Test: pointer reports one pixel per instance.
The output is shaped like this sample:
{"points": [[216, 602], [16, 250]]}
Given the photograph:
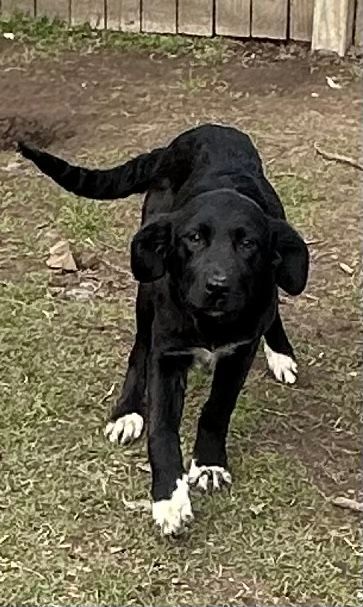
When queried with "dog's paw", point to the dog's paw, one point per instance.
{"points": [[205, 477], [282, 366], [174, 514], [125, 429]]}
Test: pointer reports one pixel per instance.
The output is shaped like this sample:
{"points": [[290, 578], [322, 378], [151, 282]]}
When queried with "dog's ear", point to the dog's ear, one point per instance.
{"points": [[290, 257], [149, 250]]}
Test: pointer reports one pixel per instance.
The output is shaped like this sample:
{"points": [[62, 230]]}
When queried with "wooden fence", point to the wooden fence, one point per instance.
{"points": [[327, 24]]}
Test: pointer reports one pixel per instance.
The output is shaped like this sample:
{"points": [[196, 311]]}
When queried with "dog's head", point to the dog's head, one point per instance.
{"points": [[220, 251]]}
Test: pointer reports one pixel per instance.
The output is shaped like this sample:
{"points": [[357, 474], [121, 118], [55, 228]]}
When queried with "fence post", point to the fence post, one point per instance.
{"points": [[358, 34], [333, 25]]}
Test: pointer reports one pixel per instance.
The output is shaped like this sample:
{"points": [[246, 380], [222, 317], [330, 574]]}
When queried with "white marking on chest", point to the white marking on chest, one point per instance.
{"points": [[209, 358]]}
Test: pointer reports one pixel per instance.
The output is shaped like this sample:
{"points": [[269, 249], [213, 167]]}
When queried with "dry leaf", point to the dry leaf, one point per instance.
{"points": [[86, 290], [346, 502], [347, 269], [144, 467], [137, 505], [61, 258], [117, 549], [12, 166], [331, 82], [257, 508]]}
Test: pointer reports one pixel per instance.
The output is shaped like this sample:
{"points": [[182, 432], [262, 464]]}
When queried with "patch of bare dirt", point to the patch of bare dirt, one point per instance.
{"points": [[39, 131]]}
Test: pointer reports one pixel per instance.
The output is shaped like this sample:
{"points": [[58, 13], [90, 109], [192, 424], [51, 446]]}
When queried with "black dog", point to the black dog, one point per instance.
{"points": [[213, 248]]}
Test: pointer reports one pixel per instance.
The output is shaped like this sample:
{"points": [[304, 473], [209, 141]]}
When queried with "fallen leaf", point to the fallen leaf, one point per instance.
{"points": [[144, 467], [12, 166], [117, 549], [257, 508], [85, 291], [347, 269], [61, 258], [346, 502], [331, 82], [137, 505]]}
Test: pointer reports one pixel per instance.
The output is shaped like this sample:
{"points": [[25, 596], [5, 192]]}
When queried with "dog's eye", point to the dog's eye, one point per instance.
{"points": [[245, 243], [195, 238]]}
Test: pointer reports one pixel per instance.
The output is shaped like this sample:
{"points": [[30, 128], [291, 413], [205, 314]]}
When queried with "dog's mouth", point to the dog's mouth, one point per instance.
{"points": [[215, 313]]}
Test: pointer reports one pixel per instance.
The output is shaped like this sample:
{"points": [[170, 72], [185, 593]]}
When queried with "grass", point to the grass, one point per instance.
{"points": [[62, 486], [273, 536], [44, 36], [66, 536]]}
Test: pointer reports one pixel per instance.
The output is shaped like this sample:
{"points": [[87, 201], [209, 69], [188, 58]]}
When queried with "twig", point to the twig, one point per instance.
{"points": [[108, 393], [111, 246], [117, 269], [338, 158], [346, 502], [311, 297], [285, 300], [287, 174], [314, 241], [274, 412]]}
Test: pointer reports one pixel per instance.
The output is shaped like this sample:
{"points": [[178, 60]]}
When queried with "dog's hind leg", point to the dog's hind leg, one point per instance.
{"points": [[279, 353], [127, 418]]}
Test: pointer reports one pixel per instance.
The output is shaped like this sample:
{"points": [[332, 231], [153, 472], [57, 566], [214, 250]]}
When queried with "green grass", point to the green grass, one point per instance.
{"points": [[66, 535], [62, 485], [44, 36]]}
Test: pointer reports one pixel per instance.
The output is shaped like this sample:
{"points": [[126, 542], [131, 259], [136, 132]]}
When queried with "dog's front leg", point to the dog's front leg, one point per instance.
{"points": [[171, 504], [209, 464]]}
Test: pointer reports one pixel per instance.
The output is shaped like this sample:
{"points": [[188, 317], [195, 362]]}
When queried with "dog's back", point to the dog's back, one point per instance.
{"points": [[198, 160]]}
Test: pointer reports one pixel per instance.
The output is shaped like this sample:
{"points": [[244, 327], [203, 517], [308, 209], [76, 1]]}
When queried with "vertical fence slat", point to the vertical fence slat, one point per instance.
{"points": [[301, 19], [10, 7], [269, 19], [159, 16], [358, 34], [123, 15], [195, 17], [233, 18], [333, 25], [88, 11], [53, 10]]}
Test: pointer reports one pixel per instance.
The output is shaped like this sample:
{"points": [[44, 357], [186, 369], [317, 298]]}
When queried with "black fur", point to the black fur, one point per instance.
{"points": [[213, 248]]}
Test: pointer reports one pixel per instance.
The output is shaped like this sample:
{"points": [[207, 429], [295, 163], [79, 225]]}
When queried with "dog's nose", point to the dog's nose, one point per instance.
{"points": [[216, 284]]}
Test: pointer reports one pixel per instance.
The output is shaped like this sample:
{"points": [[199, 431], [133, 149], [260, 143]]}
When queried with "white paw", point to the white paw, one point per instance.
{"points": [[282, 366], [173, 514], [125, 429], [214, 476]]}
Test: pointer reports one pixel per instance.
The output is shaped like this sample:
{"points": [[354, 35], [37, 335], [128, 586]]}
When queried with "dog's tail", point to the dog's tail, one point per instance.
{"points": [[133, 177]]}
